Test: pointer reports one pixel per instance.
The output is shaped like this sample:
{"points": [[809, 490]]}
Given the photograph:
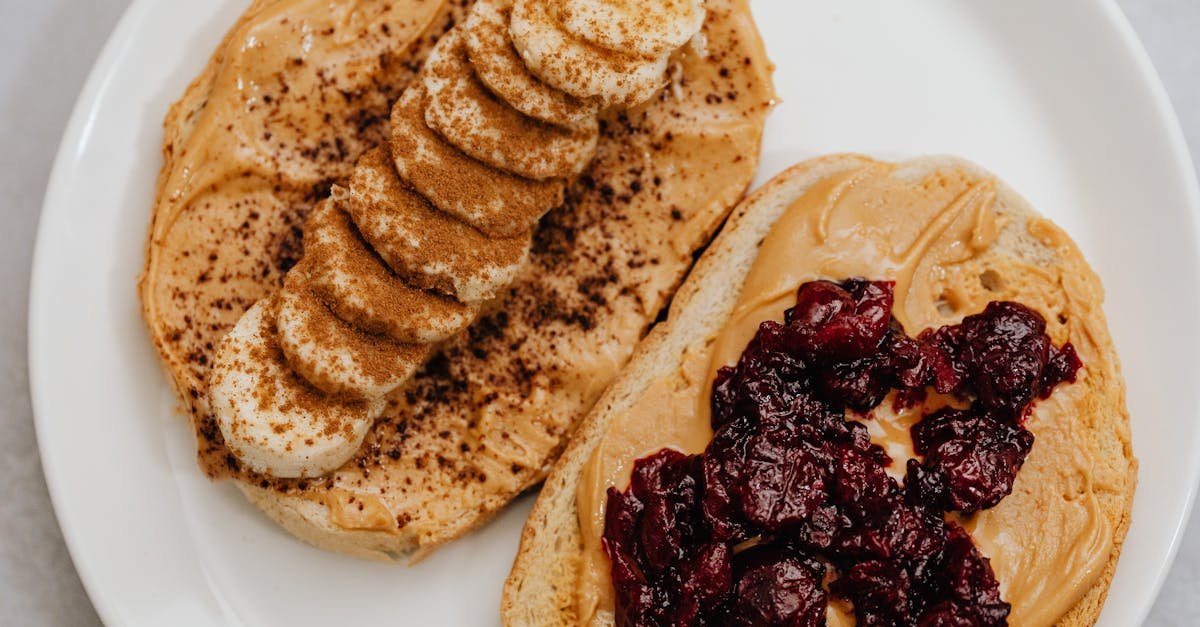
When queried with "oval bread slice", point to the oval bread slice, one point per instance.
{"points": [[541, 589], [484, 420]]}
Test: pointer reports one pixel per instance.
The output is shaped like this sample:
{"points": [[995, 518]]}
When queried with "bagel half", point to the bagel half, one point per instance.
{"points": [[542, 587]]}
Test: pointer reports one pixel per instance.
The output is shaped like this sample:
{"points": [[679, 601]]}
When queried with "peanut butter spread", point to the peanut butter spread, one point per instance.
{"points": [[941, 237], [490, 412], [296, 91], [461, 115]]}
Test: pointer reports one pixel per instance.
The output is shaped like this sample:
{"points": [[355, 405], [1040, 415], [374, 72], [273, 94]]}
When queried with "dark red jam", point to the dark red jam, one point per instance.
{"points": [[790, 502]]}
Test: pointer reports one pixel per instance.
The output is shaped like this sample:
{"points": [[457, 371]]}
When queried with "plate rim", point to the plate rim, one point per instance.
{"points": [[76, 135], [65, 162], [1152, 81]]}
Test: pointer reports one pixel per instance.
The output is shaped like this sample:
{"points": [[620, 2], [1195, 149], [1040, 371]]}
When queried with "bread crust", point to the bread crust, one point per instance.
{"points": [[541, 588]]}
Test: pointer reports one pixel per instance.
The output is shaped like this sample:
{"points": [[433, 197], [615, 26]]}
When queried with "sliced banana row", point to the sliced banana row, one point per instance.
{"points": [[489, 129], [636, 27], [432, 226], [500, 67], [272, 420], [612, 51], [426, 247]]}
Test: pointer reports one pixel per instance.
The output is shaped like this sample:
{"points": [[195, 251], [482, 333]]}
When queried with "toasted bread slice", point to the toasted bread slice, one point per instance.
{"points": [[490, 413], [542, 587]]}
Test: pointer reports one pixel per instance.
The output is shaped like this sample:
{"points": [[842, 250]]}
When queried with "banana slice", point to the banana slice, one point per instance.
{"points": [[498, 66], [493, 201], [361, 290], [637, 27], [429, 248], [272, 420], [334, 356], [464, 112], [579, 67]]}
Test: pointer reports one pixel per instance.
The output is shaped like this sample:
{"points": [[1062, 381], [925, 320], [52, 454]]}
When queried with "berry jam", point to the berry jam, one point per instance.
{"points": [[790, 503]]}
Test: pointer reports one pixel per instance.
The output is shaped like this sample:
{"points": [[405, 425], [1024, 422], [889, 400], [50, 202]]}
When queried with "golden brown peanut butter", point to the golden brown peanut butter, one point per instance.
{"points": [[358, 510], [934, 235]]}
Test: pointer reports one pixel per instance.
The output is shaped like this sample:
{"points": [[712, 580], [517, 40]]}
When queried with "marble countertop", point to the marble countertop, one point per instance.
{"points": [[46, 50]]}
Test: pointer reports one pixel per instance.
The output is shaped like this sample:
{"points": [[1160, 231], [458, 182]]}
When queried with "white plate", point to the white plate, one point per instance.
{"points": [[1056, 97]]}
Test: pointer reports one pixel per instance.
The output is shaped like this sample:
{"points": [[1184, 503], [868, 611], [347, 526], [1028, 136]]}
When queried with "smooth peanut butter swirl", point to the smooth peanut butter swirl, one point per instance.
{"points": [[427, 230], [941, 237]]}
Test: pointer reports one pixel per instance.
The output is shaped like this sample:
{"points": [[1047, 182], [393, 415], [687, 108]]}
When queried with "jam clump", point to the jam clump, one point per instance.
{"points": [[791, 503]]}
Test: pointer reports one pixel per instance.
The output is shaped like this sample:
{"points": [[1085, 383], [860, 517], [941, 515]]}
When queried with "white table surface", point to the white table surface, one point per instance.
{"points": [[46, 50]]}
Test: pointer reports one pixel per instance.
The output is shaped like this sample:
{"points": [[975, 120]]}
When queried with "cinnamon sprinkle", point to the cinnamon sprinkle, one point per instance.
{"points": [[495, 202], [464, 112], [500, 67], [427, 247], [357, 361], [363, 291]]}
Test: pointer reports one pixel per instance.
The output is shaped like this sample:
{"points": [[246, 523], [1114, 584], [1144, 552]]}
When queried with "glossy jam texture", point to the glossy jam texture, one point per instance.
{"points": [[790, 503]]}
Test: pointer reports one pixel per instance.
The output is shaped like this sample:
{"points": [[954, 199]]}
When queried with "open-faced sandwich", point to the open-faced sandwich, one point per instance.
{"points": [[387, 289], [886, 395]]}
